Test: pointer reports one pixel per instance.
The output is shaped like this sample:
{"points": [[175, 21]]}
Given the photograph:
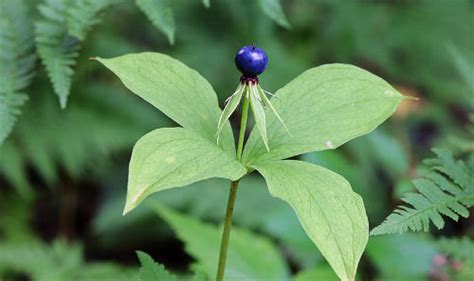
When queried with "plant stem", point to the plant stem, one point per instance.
{"points": [[243, 125], [232, 195], [226, 232]]}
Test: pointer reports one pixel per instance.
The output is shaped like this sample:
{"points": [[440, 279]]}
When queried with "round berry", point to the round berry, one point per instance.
{"points": [[251, 61]]}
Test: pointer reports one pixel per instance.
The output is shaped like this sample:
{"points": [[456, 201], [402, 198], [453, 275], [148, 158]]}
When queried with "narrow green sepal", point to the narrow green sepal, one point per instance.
{"points": [[259, 114], [268, 103], [232, 103]]}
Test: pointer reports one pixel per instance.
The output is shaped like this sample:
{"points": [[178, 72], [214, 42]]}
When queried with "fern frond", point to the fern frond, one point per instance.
{"points": [[57, 49], [57, 261], [461, 252], [82, 137], [10, 104], [83, 15], [152, 271], [461, 249], [446, 191], [160, 13], [59, 31], [17, 60]]}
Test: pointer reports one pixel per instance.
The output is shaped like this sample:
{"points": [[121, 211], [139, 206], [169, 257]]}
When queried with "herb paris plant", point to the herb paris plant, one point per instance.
{"points": [[323, 108]]}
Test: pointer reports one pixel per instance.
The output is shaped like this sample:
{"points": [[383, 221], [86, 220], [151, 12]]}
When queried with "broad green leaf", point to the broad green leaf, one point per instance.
{"points": [[175, 89], [152, 271], [323, 108], [174, 157], [249, 257], [161, 15], [331, 214], [273, 9], [259, 114]]}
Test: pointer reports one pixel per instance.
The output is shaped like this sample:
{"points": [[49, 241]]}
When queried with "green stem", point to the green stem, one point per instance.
{"points": [[232, 195], [243, 125]]}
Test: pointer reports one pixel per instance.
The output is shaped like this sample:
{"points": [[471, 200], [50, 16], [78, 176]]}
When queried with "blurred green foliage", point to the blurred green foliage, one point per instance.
{"points": [[63, 171]]}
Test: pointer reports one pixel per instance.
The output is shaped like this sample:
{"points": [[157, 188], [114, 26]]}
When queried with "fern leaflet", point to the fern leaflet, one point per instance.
{"points": [[82, 16], [160, 13], [59, 32], [447, 190], [17, 60], [152, 271]]}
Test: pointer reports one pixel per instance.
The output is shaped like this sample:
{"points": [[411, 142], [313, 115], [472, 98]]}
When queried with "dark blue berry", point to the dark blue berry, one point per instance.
{"points": [[251, 61]]}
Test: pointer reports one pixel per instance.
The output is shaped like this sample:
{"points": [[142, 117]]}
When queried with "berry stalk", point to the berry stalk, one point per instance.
{"points": [[232, 194]]}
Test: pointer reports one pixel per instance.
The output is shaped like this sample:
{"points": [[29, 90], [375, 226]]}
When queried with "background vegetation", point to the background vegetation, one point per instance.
{"points": [[68, 128]]}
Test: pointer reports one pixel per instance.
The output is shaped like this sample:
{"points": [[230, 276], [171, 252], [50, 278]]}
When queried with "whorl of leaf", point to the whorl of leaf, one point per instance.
{"points": [[17, 60], [448, 190], [59, 31]]}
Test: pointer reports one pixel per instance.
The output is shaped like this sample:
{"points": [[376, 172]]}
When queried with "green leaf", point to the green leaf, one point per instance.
{"points": [[175, 157], [331, 214], [10, 104], [17, 61], [175, 89], [273, 9], [58, 51], [323, 108], [250, 257], [462, 65], [61, 27], [83, 15], [259, 114], [161, 15], [446, 190], [206, 3], [152, 271], [80, 143], [59, 261]]}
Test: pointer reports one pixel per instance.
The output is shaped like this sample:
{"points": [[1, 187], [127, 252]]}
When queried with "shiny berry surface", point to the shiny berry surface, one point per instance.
{"points": [[251, 61]]}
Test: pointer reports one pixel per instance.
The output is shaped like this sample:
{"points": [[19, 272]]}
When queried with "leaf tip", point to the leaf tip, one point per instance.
{"points": [[286, 25], [411, 98], [171, 38], [63, 101], [206, 3], [126, 209]]}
